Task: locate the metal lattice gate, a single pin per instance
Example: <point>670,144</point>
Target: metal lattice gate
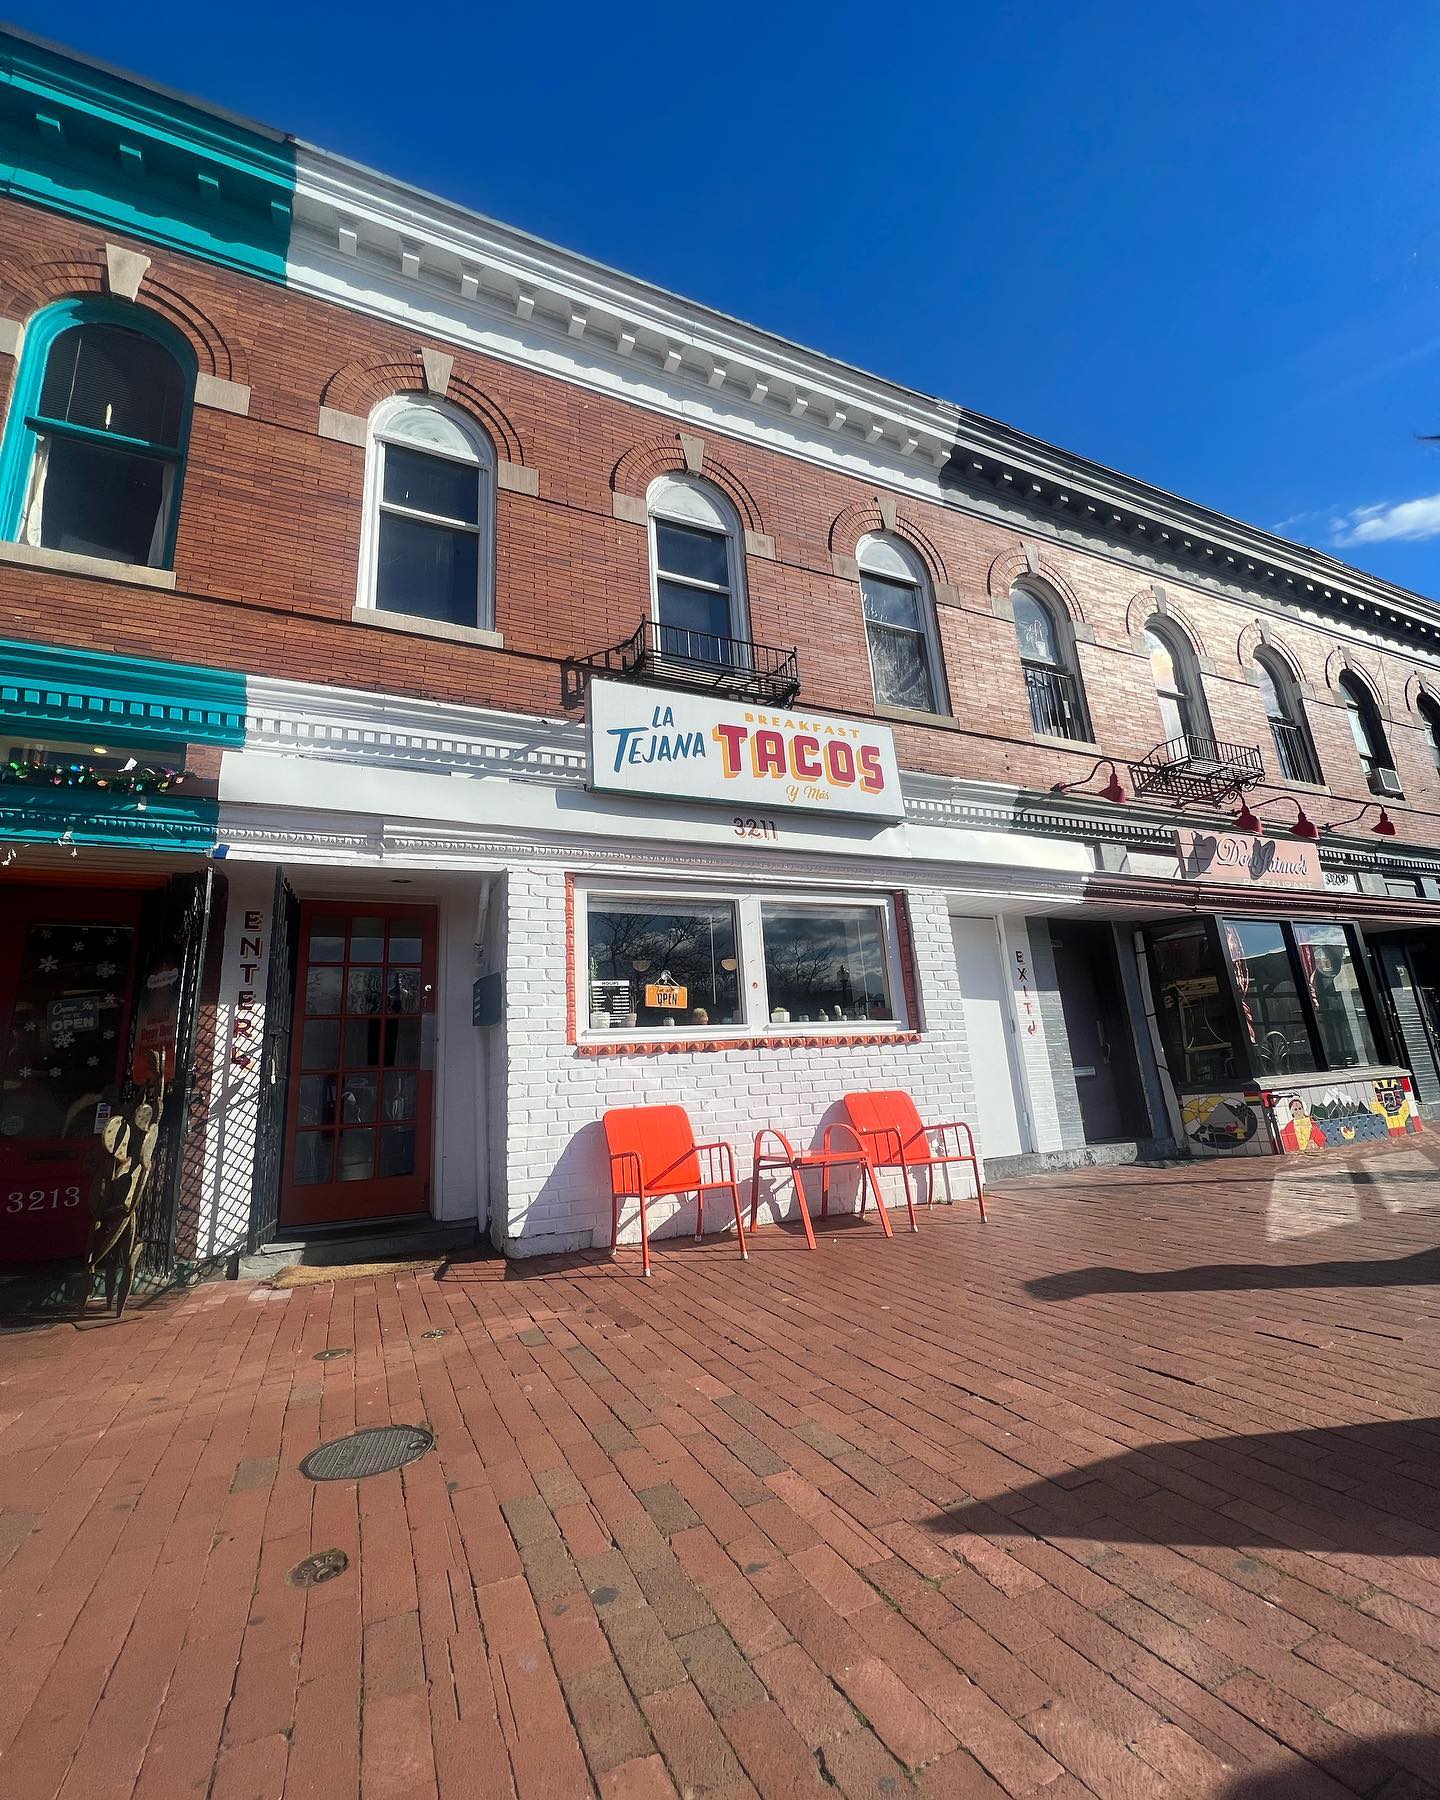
<point>274,1064</point>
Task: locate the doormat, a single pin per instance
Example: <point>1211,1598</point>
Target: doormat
<point>295,1275</point>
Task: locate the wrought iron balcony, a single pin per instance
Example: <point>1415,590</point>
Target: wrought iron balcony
<point>674,656</point>
<point>1055,706</point>
<point>1192,768</point>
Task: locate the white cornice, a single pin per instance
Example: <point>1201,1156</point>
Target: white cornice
<point>369,242</point>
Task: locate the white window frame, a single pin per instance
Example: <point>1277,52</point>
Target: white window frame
<point>750,958</point>
<point>688,501</point>
<point>880,545</point>
<point>383,432</point>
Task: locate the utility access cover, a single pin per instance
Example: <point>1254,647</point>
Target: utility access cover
<point>374,1451</point>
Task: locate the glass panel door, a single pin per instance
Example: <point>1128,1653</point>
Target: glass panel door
<point>358,1130</point>
<point>66,966</point>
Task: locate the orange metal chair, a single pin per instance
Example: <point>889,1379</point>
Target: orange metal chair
<point>826,1158</point>
<point>889,1126</point>
<point>653,1152</point>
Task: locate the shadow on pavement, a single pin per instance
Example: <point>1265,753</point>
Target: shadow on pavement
<point>1365,1489</point>
<point>1400,1271</point>
<point>1382,1767</point>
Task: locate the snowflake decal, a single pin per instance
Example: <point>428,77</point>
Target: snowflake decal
<point>55,1074</point>
<point>105,970</point>
<point>32,1025</point>
<point>109,999</point>
<point>79,944</point>
<point>62,1040</point>
<point>92,1062</point>
<point>110,937</point>
<point>109,1034</point>
<point>47,933</point>
<point>49,964</point>
<point>25,1071</point>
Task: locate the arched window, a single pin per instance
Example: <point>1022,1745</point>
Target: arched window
<point>1429,711</point>
<point>1177,683</point>
<point>899,626</point>
<point>430,515</point>
<point>697,573</point>
<point>1281,699</point>
<point>1047,656</point>
<point>94,450</point>
<point>1369,735</point>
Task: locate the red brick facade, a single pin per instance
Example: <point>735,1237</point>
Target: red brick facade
<point>270,529</point>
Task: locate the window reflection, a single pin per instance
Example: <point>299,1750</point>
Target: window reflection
<point>825,965</point>
<point>657,968</point>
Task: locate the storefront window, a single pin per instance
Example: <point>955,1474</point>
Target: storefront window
<point>1270,1008</point>
<point>657,967</point>
<point>1334,986</point>
<point>1196,1015</point>
<point>824,965</point>
<point>66,1046</point>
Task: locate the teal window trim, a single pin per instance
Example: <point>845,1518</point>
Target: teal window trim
<point>26,424</point>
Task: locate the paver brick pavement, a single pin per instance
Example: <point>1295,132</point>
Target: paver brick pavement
<point>1130,1493</point>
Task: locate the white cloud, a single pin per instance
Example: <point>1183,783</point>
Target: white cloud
<point>1411,520</point>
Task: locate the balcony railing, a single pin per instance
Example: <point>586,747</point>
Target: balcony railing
<point>1193,768</point>
<point>1293,752</point>
<point>675,656</point>
<point>1055,706</point>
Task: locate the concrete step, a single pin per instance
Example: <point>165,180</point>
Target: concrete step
<point>359,1244</point>
<point>1086,1156</point>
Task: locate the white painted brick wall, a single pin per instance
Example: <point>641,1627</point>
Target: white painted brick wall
<point>557,1193</point>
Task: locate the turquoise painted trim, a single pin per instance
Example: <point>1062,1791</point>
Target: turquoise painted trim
<point>169,822</point>
<point>90,696</point>
<point>17,449</point>
<point>87,141</point>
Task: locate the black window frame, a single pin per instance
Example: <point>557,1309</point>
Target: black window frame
<point>1249,1076</point>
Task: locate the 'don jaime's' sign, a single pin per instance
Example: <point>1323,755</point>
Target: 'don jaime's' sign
<point>1244,861</point>
<point>689,747</point>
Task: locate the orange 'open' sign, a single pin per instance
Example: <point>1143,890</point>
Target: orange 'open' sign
<point>664,998</point>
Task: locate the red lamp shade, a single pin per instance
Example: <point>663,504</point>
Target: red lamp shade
<point>1113,791</point>
<point>1245,820</point>
<point>1303,826</point>
<point>1384,826</point>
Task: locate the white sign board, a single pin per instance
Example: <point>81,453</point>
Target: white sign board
<point>689,747</point>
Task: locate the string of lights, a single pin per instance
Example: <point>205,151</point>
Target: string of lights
<point>20,772</point>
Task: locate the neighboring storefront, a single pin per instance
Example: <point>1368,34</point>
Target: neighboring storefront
<point>107,821</point>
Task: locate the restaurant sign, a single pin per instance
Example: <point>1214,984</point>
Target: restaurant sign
<point>689,747</point>
<point>1240,860</point>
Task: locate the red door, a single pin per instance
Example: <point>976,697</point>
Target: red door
<point>67,957</point>
<point>358,1122</point>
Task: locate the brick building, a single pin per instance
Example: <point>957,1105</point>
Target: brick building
<point>453,687</point>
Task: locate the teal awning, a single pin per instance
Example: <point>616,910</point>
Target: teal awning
<point>36,815</point>
<point>92,696</point>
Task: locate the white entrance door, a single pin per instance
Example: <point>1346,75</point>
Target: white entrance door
<point>987,1031</point>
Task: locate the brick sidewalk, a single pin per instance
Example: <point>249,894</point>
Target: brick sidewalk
<point>1129,1493</point>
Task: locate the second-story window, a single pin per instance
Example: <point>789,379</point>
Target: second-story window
<point>1429,711</point>
<point>697,572</point>
<point>1177,684</point>
<point>94,449</point>
<point>1052,683</point>
<point>429,549</point>
<point>1286,715</point>
<point>899,626</point>
<point>1369,735</point>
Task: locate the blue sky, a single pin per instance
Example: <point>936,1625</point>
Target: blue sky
<point>1198,243</point>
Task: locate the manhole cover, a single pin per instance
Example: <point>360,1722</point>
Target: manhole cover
<point>329,1355</point>
<point>440,1331</point>
<point>325,1565</point>
<point>373,1451</point>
